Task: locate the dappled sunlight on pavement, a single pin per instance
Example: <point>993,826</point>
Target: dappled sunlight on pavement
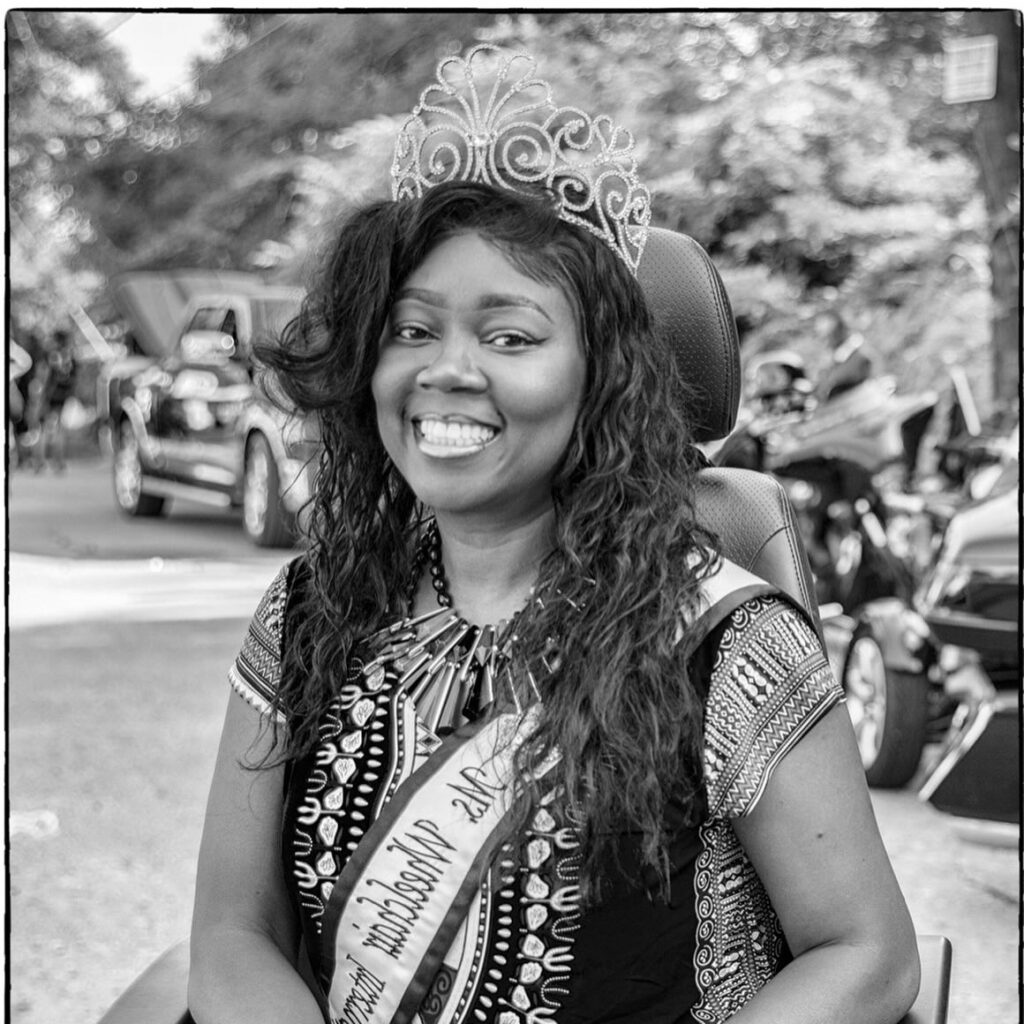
<point>47,591</point>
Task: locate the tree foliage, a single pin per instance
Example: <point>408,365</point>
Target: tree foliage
<point>215,181</point>
<point>812,154</point>
<point>67,91</point>
<point>809,151</point>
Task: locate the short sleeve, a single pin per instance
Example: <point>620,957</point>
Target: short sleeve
<point>256,673</point>
<point>770,683</point>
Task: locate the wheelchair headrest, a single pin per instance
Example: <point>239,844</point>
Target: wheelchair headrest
<point>691,311</point>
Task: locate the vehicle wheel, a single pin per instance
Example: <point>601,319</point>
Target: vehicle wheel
<point>267,522</point>
<point>128,492</point>
<point>889,710</point>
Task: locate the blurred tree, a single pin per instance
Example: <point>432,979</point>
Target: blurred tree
<point>997,149</point>
<point>782,141</point>
<point>68,95</point>
<point>289,79</point>
<point>222,180</point>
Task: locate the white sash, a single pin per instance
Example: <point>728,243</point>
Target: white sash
<point>401,898</point>
<point>403,894</point>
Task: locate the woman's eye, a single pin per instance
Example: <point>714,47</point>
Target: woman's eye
<point>511,339</point>
<point>410,332</point>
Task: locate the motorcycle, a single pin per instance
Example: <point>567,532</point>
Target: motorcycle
<point>905,674</point>
<point>971,603</point>
<point>832,458</point>
<point>828,456</point>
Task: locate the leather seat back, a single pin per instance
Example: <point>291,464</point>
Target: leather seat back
<point>754,521</point>
<point>749,511</point>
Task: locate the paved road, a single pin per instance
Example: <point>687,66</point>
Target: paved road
<point>73,515</point>
<point>93,606</point>
<point>74,557</point>
<point>48,591</point>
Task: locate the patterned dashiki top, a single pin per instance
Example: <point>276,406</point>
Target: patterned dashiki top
<point>539,957</point>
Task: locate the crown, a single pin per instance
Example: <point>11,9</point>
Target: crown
<point>489,118</point>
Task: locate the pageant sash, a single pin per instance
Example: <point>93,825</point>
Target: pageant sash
<point>405,891</point>
<point>403,894</point>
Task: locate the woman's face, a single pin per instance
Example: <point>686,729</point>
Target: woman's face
<point>478,382</point>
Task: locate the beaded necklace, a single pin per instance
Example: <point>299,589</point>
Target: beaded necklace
<point>451,669</point>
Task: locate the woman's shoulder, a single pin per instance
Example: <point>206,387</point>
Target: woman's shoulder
<point>766,622</point>
<point>770,682</point>
<point>256,672</point>
<point>283,590</point>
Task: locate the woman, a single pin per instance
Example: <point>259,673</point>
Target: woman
<point>504,744</point>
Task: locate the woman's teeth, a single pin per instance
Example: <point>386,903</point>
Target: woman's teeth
<point>445,438</point>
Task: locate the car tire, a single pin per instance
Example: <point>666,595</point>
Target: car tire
<point>131,499</point>
<point>268,524</point>
<point>889,711</point>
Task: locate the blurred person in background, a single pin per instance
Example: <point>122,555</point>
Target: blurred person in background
<point>19,368</point>
<point>25,396</point>
<point>778,383</point>
<point>852,361</point>
<point>505,743</point>
<point>56,385</point>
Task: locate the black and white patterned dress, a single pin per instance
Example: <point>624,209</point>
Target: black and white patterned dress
<point>531,955</point>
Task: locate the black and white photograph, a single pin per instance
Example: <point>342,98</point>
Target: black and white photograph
<point>513,515</point>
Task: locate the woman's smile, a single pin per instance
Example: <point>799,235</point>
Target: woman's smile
<point>442,437</point>
<point>478,382</point>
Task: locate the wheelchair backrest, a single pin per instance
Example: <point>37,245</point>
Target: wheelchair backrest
<point>748,511</point>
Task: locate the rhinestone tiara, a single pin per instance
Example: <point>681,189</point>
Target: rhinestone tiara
<point>488,118</point>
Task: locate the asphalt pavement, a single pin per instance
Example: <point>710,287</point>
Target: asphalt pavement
<point>73,515</point>
<point>120,632</point>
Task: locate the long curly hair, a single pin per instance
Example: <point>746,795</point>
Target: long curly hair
<point>628,558</point>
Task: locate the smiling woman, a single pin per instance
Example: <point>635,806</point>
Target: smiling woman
<point>528,747</point>
<point>476,391</point>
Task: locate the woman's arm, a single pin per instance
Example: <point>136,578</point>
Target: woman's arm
<point>244,932</point>
<point>814,842</point>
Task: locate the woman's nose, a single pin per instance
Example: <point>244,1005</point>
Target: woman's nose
<point>454,366</point>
